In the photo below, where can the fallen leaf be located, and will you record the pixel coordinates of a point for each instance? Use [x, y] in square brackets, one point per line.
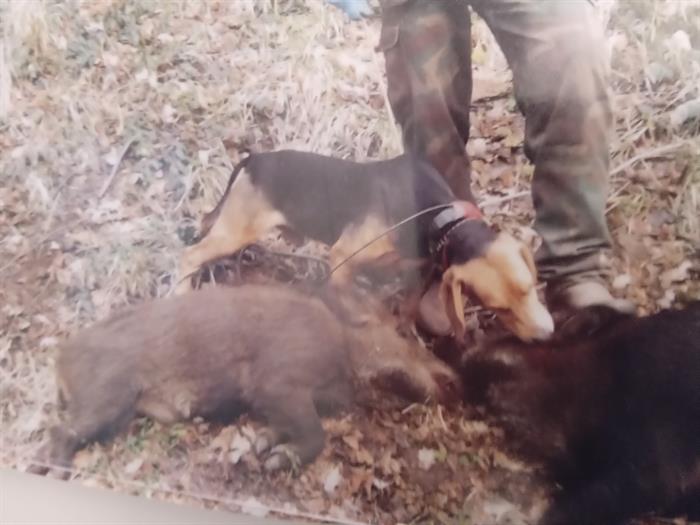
[365, 457]
[331, 480]
[621, 281]
[667, 300]
[380, 484]
[249, 432]
[133, 466]
[515, 138]
[85, 458]
[477, 147]
[502, 460]
[502, 511]
[315, 505]
[110, 59]
[112, 157]
[676, 275]
[168, 114]
[489, 83]
[223, 440]
[684, 112]
[357, 478]
[426, 458]
[679, 41]
[352, 440]
[239, 446]
[12, 311]
[203, 155]
[474, 427]
[253, 507]
[657, 73]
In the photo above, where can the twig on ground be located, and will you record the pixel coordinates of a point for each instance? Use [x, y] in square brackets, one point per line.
[115, 169]
[507, 198]
[614, 197]
[648, 154]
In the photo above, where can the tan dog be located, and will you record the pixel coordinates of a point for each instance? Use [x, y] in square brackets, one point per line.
[514, 300]
[347, 205]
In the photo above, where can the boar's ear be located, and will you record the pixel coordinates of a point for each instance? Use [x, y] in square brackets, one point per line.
[347, 310]
[590, 321]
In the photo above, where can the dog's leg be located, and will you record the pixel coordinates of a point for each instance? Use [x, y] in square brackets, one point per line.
[245, 217]
[354, 238]
[416, 279]
[209, 248]
[361, 237]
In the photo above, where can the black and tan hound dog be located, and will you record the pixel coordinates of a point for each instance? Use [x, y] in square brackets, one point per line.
[346, 205]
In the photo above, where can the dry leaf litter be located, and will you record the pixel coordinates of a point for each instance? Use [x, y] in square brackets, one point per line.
[119, 124]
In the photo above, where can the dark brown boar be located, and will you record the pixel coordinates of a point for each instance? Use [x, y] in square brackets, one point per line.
[612, 410]
[272, 350]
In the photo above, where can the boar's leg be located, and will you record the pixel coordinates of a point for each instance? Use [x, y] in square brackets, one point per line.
[610, 499]
[57, 453]
[335, 396]
[91, 418]
[295, 423]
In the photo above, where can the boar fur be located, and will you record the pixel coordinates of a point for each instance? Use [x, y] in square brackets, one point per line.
[611, 408]
[281, 354]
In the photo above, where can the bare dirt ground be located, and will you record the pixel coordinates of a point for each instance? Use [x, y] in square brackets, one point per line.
[119, 124]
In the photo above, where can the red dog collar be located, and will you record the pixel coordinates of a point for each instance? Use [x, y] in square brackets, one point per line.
[449, 219]
[470, 210]
[457, 211]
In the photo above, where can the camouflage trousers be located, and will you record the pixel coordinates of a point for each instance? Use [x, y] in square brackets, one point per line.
[556, 54]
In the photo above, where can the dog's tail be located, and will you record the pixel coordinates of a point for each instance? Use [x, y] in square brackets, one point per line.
[209, 218]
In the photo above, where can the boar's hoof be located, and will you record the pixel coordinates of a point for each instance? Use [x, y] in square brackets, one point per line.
[39, 470]
[266, 439]
[54, 473]
[61, 473]
[54, 457]
[282, 457]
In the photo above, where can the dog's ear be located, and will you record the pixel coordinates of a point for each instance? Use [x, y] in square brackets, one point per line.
[451, 296]
[529, 259]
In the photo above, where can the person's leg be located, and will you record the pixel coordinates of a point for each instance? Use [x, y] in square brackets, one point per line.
[427, 49]
[555, 51]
